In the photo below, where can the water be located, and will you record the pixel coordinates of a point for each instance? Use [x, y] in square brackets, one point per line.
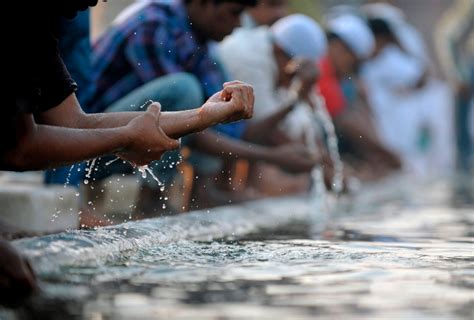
[398, 250]
[322, 114]
[144, 170]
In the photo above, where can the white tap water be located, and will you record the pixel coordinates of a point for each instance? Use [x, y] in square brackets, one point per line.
[68, 177]
[144, 170]
[108, 163]
[318, 203]
[89, 170]
[332, 141]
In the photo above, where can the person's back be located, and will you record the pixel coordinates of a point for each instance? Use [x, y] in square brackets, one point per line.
[248, 54]
[154, 39]
[140, 48]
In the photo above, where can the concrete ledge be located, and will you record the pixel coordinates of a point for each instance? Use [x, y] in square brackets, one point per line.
[34, 207]
[114, 195]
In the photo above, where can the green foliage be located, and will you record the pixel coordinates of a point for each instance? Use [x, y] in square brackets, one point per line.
[311, 8]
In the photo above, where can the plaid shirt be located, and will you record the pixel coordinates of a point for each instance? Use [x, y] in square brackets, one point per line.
[153, 41]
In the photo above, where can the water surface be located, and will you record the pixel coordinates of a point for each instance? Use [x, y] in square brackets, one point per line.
[397, 251]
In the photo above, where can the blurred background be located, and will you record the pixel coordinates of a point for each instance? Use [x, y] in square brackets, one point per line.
[423, 14]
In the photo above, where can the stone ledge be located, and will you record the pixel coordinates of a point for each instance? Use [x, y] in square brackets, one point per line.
[37, 208]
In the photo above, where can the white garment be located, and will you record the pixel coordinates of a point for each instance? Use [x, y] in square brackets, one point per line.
[402, 113]
[387, 77]
[248, 56]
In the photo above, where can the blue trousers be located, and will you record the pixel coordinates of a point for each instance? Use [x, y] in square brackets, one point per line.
[175, 92]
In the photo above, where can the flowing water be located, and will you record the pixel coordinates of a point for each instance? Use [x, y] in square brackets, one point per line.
[398, 250]
[323, 116]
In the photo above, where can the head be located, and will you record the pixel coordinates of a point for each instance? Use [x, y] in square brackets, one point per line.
[382, 33]
[296, 37]
[350, 42]
[267, 12]
[215, 19]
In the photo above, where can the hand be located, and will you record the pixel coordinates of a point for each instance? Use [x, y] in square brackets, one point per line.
[295, 158]
[233, 103]
[148, 141]
[17, 279]
[305, 73]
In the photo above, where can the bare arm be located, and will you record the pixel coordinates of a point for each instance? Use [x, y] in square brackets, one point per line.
[43, 146]
[255, 130]
[293, 157]
[235, 102]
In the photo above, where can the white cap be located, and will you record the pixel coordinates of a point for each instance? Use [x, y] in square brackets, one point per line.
[355, 33]
[300, 36]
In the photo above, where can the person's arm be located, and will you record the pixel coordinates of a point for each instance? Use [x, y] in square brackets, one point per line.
[234, 102]
[255, 130]
[292, 157]
[43, 146]
[304, 74]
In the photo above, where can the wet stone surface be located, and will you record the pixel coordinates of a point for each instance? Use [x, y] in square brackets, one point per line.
[408, 256]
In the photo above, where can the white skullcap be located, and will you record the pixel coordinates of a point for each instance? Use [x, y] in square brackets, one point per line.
[355, 33]
[300, 36]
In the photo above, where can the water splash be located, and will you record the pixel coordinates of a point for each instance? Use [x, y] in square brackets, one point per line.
[68, 177]
[89, 170]
[144, 170]
[318, 202]
[80, 247]
[322, 114]
[108, 163]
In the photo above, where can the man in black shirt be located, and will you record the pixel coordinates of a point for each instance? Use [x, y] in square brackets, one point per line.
[43, 125]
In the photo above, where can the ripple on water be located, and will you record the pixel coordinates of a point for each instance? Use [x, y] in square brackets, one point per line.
[423, 271]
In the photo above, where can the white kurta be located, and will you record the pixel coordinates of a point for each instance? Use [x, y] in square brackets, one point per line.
[402, 112]
[248, 56]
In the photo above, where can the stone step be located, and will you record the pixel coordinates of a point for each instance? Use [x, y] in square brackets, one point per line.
[37, 208]
[115, 195]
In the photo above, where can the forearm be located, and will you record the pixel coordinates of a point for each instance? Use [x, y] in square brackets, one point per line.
[175, 124]
[47, 146]
[356, 131]
[258, 128]
[228, 148]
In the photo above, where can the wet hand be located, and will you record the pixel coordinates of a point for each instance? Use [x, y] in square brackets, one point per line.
[235, 102]
[305, 73]
[17, 279]
[148, 142]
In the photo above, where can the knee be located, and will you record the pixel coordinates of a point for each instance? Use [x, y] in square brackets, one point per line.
[187, 90]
